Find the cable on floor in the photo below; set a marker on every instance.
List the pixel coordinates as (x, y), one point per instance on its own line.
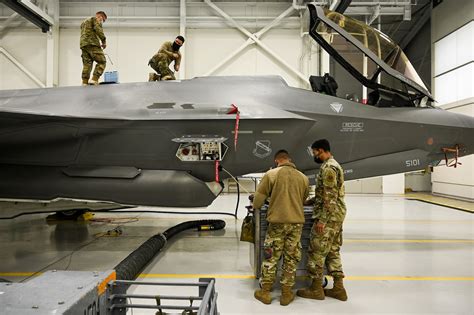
(96, 237)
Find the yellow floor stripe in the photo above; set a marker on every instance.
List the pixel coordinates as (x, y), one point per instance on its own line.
(224, 276)
(17, 274)
(442, 201)
(358, 278)
(407, 278)
(408, 241)
(180, 276)
(384, 221)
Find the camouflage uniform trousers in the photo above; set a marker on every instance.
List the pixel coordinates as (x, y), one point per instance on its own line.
(161, 66)
(281, 239)
(324, 251)
(89, 55)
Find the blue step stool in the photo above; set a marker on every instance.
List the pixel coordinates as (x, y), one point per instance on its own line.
(111, 77)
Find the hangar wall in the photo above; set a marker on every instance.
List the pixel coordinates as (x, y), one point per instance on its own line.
(130, 50)
(27, 46)
(453, 81)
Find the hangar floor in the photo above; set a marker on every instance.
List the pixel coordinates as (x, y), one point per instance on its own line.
(400, 256)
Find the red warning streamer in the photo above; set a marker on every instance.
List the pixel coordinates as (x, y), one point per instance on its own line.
(235, 110)
(217, 170)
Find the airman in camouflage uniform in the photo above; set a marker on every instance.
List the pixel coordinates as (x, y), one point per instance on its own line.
(326, 234)
(92, 35)
(160, 62)
(287, 188)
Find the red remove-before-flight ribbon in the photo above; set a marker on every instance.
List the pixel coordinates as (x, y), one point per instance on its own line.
(217, 170)
(235, 110)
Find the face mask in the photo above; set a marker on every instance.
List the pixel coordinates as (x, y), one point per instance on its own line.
(176, 47)
(317, 159)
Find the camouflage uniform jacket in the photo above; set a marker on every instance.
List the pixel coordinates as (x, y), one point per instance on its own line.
(91, 32)
(166, 54)
(329, 203)
(287, 188)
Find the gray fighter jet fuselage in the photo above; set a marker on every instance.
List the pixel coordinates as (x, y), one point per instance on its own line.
(121, 142)
(164, 143)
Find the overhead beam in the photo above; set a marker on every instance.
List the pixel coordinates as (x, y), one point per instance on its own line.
(333, 4)
(342, 6)
(407, 13)
(31, 12)
(182, 32)
(6, 24)
(230, 57)
(275, 22)
(21, 67)
(374, 16)
(257, 41)
(52, 46)
(425, 17)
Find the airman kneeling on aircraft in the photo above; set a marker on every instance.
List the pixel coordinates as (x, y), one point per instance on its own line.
(326, 233)
(287, 188)
(161, 61)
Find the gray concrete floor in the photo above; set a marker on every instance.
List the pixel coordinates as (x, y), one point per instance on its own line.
(400, 256)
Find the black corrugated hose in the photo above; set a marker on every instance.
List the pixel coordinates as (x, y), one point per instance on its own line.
(133, 264)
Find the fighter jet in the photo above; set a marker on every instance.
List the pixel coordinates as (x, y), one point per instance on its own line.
(172, 143)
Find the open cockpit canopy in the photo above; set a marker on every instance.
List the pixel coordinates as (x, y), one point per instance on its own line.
(387, 70)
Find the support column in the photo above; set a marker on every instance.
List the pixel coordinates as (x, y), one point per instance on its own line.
(52, 45)
(324, 60)
(182, 32)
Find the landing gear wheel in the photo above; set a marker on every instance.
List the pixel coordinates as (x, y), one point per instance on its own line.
(69, 214)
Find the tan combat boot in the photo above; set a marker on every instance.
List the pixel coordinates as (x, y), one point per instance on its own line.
(94, 81)
(315, 291)
(264, 295)
(85, 82)
(287, 295)
(338, 291)
(153, 77)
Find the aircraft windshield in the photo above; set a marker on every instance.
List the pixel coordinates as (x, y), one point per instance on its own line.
(379, 43)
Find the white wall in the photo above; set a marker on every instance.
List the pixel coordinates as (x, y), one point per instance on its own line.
(454, 50)
(419, 181)
(389, 184)
(28, 46)
(207, 47)
(454, 66)
(130, 50)
(372, 185)
(453, 78)
(393, 184)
